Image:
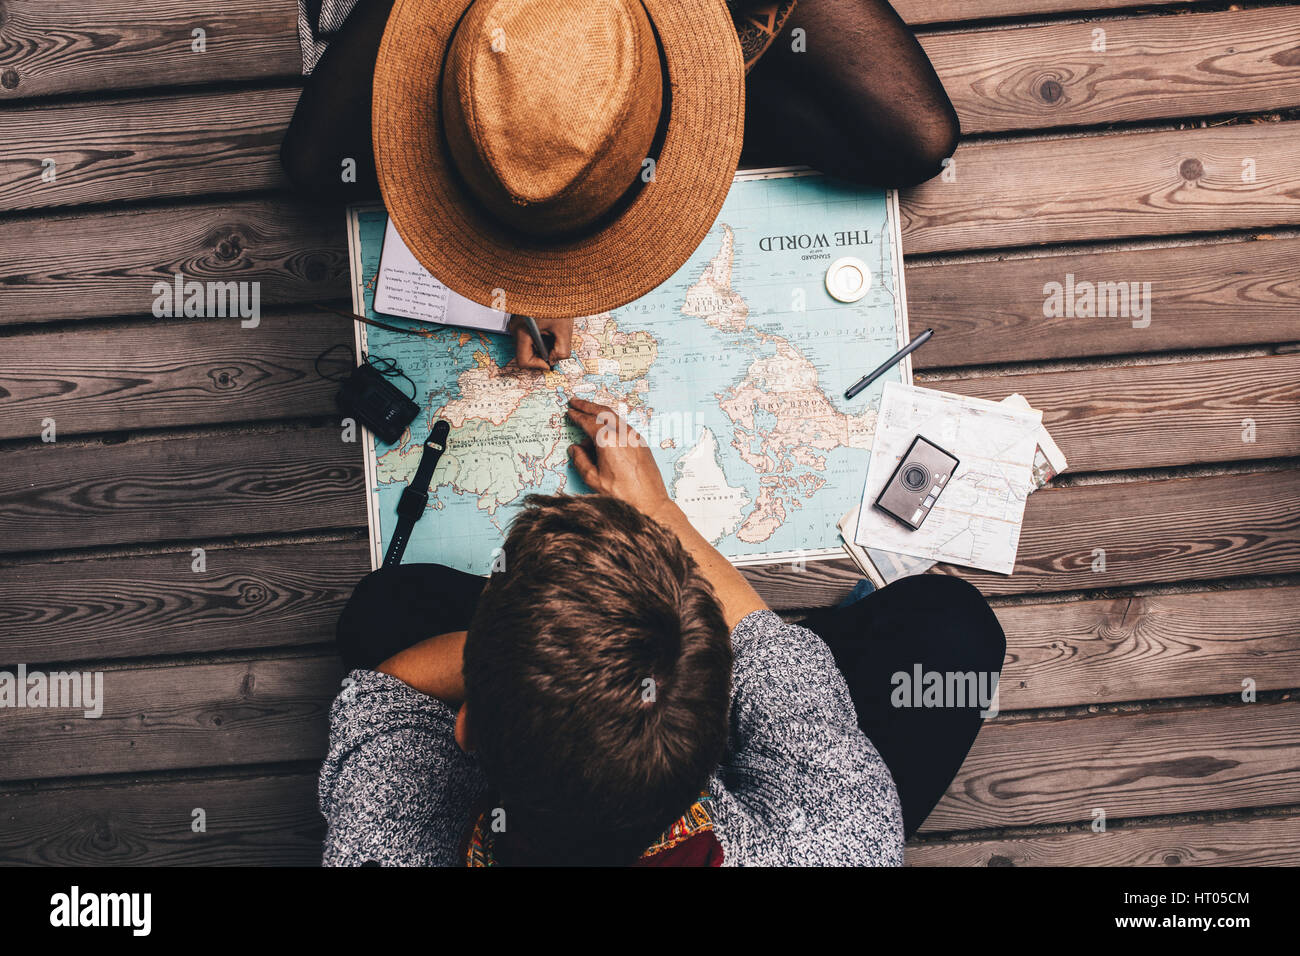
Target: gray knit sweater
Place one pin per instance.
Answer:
(799, 783)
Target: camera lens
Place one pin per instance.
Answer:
(915, 477)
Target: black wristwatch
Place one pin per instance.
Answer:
(415, 496)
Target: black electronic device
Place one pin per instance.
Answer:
(368, 396)
(917, 482)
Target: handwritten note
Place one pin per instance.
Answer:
(407, 289)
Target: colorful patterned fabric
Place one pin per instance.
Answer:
(688, 842)
(757, 25)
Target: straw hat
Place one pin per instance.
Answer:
(559, 158)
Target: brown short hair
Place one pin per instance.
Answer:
(598, 679)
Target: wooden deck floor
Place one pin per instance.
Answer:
(1169, 158)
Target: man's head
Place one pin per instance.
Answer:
(598, 679)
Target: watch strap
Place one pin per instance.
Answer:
(415, 496)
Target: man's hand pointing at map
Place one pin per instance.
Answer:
(615, 460)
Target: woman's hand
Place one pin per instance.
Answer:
(526, 356)
(615, 460)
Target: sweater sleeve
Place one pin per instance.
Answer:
(395, 788)
(800, 783)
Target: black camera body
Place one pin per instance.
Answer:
(917, 482)
(376, 403)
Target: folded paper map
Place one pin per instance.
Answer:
(976, 521)
(885, 567)
(734, 370)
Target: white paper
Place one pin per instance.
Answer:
(879, 567)
(1049, 461)
(405, 288)
(888, 566)
(976, 521)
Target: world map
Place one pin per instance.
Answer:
(733, 370)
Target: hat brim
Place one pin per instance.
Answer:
(642, 246)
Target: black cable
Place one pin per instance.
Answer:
(386, 367)
(389, 368)
(352, 361)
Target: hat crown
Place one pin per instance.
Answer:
(550, 107)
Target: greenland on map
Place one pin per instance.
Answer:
(734, 370)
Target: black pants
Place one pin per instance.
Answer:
(939, 623)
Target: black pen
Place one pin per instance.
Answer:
(890, 362)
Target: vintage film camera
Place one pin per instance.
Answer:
(917, 482)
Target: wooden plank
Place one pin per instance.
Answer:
(251, 821)
(274, 821)
(72, 46)
(147, 148)
(54, 497)
(1200, 296)
(157, 604)
(1255, 841)
(1083, 652)
(1002, 193)
(916, 12)
(198, 715)
(1203, 643)
(1178, 529)
(1107, 187)
(1239, 61)
(1058, 770)
(1014, 78)
(182, 490)
(76, 46)
(106, 263)
(203, 372)
(1109, 419)
(1051, 770)
(181, 372)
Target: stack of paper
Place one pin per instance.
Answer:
(1005, 454)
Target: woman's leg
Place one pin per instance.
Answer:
(860, 101)
(932, 622)
(332, 120)
(394, 608)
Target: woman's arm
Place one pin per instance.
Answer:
(616, 461)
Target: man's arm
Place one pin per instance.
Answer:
(395, 788)
(435, 666)
(801, 783)
(615, 460)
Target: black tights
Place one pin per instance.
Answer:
(861, 102)
(937, 622)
